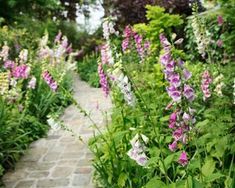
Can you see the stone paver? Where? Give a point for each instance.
(61, 160)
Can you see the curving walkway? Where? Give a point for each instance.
(60, 160)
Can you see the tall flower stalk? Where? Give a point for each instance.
(141, 45)
(114, 69)
(182, 95)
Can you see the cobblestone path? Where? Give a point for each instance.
(61, 160)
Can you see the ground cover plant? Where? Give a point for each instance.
(172, 124)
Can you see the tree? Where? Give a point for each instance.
(133, 11)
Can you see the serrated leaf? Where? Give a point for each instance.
(208, 168)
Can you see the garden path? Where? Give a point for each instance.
(61, 160)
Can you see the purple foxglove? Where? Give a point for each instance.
(183, 160)
(186, 117)
(50, 81)
(170, 66)
(178, 134)
(175, 79)
(176, 96)
(165, 58)
(180, 63)
(173, 117)
(164, 40)
(187, 75)
(220, 20)
(58, 37)
(174, 93)
(173, 146)
(189, 93)
(103, 80)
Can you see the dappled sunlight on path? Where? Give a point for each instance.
(61, 160)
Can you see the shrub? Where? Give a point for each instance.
(88, 70)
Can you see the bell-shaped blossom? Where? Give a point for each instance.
(175, 80)
(178, 134)
(174, 93)
(173, 146)
(137, 152)
(128, 32)
(186, 117)
(165, 58)
(58, 37)
(23, 56)
(183, 159)
(187, 75)
(64, 42)
(4, 53)
(189, 93)
(172, 120)
(170, 66)
(125, 87)
(32, 83)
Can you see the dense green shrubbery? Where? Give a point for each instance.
(137, 150)
(87, 69)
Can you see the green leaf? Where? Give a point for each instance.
(209, 167)
(168, 160)
(155, 183)
(164, 119)
(202, 124)
(228, 182)
(118, 136)
(152, 161)
(122, 179)
(193, 183)
(213, 177)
